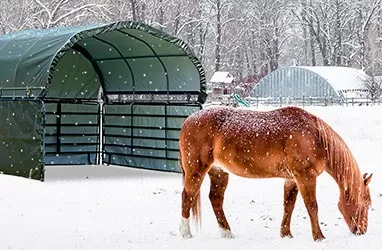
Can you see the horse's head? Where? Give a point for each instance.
(356, 212)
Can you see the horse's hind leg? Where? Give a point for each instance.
(191, 198)
(290, 196)
(219, 182)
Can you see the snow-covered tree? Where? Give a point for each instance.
(244, 37)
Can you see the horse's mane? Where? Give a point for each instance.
(341, 162)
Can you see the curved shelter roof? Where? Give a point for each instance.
(73, 62)
(314, 81)
(341, 78)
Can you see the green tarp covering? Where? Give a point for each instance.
(21, 138)
(73, 62)
(146, 81)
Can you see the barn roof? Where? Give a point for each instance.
(73, 62)
(341, 78)
(221, 77)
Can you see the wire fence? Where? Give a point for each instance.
(304, 101)
(312, 101)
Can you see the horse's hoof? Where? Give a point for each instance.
(185, 232)
(286, 235)
(184, 229)
(226, 234)
(319, 238)
(186, 236)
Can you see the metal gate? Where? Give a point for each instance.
(144, 135)
(72, 133)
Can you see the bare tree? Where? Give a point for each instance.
(245, 37)
(15, 15)
(59, 12)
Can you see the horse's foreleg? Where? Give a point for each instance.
(219, 182)
(307, 187)
(290, 196)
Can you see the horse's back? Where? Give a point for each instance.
(243, 139)
(233, 121)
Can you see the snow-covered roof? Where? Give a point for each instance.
(341, 78)
(221, 77)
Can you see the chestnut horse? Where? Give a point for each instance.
(288, 143)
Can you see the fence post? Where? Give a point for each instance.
(257, 100)
(303, 100)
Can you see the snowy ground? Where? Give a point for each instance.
(121, 208)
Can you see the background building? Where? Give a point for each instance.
(313, 82)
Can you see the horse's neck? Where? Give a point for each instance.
(349, 182)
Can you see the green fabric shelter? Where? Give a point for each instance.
(98, 94)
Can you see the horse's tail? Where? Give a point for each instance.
(181, 167)
(195, 209)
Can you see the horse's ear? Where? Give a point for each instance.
(367, 179)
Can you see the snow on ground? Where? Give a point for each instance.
(100, 207)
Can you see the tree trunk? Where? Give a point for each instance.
(134, 9)
(218, 36)
(338, 35)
